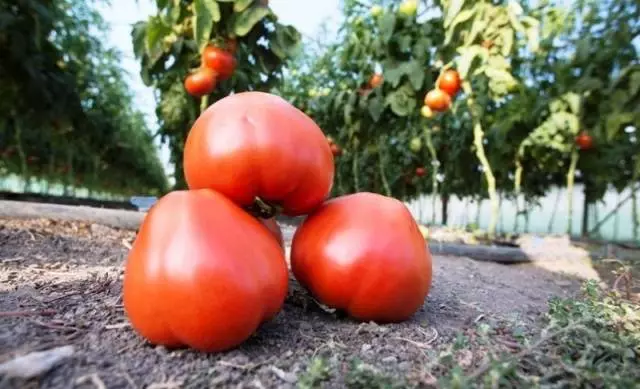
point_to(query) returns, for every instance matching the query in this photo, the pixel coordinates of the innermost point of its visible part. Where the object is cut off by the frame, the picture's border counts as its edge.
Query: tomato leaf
(248, 18)
(452, 11)
(206, 13)
(376, 107)
(241, 5)
(156, 30)
(402, 101)
(387, 24)
(393, 72)
(138, 35)
(416, 74)
(285, 41)
(466, 58)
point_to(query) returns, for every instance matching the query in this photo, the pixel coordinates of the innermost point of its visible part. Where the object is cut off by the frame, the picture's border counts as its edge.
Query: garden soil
(61, 284)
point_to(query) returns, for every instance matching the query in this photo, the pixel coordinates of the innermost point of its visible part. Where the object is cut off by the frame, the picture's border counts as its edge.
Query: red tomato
(200, 83)
(376, 80)
(364, 254)
(220, 61)
(202, 273)
(421, 172)
(437, 100)
(255, 144)
(449, 82)
(584, 141)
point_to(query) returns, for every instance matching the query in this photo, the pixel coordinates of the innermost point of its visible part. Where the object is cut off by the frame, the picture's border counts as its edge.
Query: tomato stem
(262, 209)
(204, 103)
(571, 174)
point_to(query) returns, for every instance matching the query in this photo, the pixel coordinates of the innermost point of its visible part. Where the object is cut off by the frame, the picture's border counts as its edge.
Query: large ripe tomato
(202, 273)
(364, 254)
(220, 61)
(200, 83)
(256, 145)
(437, 100)
(449, 82)
(584, 141)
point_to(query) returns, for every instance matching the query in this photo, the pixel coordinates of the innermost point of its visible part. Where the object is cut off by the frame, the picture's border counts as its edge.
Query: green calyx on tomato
(363, 254)
(190, 265)
(256, 145)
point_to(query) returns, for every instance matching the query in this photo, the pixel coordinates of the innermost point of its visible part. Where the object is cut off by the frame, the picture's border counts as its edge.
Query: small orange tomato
(437, 100)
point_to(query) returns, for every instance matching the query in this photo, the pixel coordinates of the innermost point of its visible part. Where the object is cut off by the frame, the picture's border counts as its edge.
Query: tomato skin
(421, 172)
(220, 61)
(192, 280)
(200, 83)
(437, 100)
(363, 253)
(584, 141)
(256, 144)
(376, 80)
(449, 82)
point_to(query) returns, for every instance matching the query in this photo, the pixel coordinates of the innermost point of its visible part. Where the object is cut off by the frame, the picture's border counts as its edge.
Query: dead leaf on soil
(36, 363)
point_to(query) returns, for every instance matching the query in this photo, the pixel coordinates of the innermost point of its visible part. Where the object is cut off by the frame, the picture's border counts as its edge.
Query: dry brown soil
(60, 284)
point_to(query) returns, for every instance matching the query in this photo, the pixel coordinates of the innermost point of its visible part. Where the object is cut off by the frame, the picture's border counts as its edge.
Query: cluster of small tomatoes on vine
(216, 64)
(440, 98)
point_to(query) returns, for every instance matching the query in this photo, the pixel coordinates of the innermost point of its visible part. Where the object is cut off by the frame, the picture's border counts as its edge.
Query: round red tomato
(437, 100)
(202, 273)
(421, 172)
(449, 82)
(256, 145)
(584, 141)
(220, 61)
(376, 80)
(364, 254)
(200, 83)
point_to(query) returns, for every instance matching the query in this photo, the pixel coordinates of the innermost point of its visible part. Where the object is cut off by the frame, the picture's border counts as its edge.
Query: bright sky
(306, 16)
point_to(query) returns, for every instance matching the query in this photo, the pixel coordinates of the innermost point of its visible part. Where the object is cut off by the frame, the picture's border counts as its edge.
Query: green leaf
(393, 73)
(461, 18)
(285, 41)
(387, 24)
(376, 107)
(507, 41)
(138, 35)
(206, 13)
(349, 108)
(402, 101)
(248, 18)
(615, 122)
(416, 73)
(466, 58)
(156, 30)
(452, 11)
(241, 5)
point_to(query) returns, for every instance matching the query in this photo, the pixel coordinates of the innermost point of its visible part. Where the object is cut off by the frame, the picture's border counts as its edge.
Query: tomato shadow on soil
(77, 281)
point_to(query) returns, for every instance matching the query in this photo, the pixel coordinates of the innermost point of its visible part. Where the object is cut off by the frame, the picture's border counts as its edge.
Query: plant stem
(434, 173)
(204, 103)
(354, 171)
(478, 141)
(383, 176)
(571, 175)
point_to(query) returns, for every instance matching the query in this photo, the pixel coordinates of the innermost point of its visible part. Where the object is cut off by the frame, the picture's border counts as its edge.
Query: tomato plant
(363, 254)
(190, 268)
(256, 148)
(201, 82)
